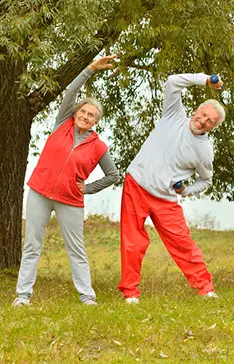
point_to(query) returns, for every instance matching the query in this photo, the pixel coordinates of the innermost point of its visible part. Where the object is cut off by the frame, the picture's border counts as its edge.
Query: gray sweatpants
(71, 219)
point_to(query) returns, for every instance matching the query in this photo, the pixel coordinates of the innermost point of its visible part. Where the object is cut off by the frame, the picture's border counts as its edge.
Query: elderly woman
(70, 154)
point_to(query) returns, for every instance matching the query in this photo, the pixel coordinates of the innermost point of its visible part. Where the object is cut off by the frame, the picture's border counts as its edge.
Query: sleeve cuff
(88, 189)
(88, 72)
(185, 193)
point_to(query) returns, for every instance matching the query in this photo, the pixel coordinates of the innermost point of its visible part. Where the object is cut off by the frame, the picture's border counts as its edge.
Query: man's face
(85, 117)
(204, 119)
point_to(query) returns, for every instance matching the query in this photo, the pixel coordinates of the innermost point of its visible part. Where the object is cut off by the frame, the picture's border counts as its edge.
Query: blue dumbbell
(178, 184)
(214, 78)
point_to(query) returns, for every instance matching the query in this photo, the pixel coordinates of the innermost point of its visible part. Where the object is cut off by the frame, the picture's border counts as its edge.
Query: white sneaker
(132, 300)
(19, 301)
(89, 302)
(211, 294)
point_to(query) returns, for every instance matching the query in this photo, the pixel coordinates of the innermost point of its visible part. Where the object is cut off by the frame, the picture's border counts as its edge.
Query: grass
(171, 324)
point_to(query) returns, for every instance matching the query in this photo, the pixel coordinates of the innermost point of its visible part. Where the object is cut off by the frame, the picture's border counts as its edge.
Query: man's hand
(179, 187)
(180, 190)
(81, 185)
(102, 63)
(215, 86)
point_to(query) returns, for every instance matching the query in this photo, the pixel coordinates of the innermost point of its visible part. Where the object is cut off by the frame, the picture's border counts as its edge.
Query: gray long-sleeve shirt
(172, 152)
(65, 112)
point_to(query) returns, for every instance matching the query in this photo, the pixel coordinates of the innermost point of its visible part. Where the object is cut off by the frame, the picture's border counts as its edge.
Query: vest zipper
(60, 174)
(84, 141)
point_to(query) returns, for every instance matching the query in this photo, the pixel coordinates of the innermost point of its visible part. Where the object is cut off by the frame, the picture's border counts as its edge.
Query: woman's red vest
(60, 165)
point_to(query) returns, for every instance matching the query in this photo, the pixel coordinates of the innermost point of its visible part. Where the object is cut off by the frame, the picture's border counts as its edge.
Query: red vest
(60, 165)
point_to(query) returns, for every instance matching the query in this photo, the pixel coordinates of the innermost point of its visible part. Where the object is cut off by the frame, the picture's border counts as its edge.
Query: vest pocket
(41, 177)
(74, 188)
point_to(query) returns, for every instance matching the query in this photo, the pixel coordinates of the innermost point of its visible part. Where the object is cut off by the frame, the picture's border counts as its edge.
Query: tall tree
(44, 44)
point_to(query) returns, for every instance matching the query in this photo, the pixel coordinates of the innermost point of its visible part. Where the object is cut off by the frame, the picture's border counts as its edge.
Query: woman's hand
(102, 63)
(81, 185)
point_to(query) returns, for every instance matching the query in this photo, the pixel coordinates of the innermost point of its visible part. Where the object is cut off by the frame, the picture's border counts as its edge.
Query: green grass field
(172, 324)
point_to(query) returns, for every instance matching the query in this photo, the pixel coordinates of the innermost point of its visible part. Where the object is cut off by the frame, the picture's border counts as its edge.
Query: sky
(198, 212)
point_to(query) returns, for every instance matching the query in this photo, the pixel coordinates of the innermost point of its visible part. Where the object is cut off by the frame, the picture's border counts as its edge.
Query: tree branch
(66, 73)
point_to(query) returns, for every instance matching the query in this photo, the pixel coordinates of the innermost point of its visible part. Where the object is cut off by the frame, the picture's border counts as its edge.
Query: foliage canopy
(153, 39)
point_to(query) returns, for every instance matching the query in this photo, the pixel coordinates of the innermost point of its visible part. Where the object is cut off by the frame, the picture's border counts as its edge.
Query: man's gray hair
(90, 101)
(218, 107)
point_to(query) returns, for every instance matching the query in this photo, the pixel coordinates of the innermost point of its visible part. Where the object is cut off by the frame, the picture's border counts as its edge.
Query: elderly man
(177, 148)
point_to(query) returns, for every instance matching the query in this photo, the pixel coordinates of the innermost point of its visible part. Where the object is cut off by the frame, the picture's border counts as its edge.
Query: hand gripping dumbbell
(178, 184)
(214, 78)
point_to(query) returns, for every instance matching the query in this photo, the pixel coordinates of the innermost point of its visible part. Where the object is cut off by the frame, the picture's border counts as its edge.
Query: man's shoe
(89, 302)
(132, 300)
(19, 301)
(211, 295)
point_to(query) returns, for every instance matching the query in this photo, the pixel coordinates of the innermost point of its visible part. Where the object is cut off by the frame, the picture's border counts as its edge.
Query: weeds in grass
(171, 324)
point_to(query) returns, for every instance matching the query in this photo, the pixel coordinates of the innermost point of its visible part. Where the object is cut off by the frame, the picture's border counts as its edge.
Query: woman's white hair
(218, 107)
(90, 101)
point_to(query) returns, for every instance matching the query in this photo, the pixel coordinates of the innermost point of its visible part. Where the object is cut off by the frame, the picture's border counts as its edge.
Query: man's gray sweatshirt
(172, 152)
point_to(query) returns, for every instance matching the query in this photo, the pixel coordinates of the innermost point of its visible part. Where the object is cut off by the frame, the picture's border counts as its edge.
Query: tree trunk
(15, 119)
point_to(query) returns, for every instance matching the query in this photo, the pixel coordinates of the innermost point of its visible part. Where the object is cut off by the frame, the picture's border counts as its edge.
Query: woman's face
(85, 117)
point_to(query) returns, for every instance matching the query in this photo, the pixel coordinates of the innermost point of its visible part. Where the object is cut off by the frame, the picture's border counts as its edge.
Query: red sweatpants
(168, 219)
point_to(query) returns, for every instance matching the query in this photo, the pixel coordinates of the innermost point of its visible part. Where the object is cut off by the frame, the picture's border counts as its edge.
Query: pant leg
(134, 238)
(38, 211)
(71, 221)
(168, 218)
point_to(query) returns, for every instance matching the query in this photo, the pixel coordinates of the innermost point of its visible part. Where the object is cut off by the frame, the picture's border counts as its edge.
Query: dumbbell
(214, 78)
(178, 184)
